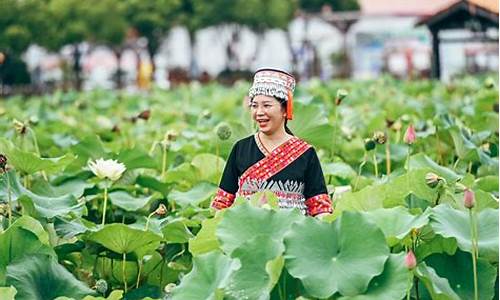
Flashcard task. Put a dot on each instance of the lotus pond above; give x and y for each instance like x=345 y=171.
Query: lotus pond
x=105 y=195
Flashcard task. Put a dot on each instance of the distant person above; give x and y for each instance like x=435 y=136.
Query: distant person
x=273 y=158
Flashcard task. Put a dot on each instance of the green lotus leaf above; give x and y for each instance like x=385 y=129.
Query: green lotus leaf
x=453 y=223
x=127 y=202
x=44 y=206
x=311 y=124
x=206 y=280
x=397 y=222
x=391 y=284
x=90 y=147
x=114 y=295
x=18 y=243
x=74 y=186
x=487 y=183
x=343 y=256
x=437 y=287
x=260 y=268
x=458 y=270
x=40 y=277
x=121 y=238
x=206 y=240
x=176 y=232
x=422 y=161
x=136 y=158
x=68 y=228
x=243 y=222
x=8 y=293
x=339 y=169
x=210 y=167
x=31 y=224
x=195 y=196
x=29 y=162
x=435 y=244
x=152 y=183
x=185 y=174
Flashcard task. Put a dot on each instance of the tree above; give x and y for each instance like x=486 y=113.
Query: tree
x=21 y=23
x=152 y=20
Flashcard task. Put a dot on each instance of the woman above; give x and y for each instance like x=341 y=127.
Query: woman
x=273 y=158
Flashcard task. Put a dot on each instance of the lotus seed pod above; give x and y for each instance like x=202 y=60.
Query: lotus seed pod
x=206 y=114
x=379 y=137
x=489 y=83
x=369 y=144
x=171 y=135
x=341 y=94
x=20 y=127
x=161 y=210
x=432 y=179
x=101 y=286
x=169 y=288
x=410 y=260
x=144 y=115
x=469 y=199
x=223 y=131
x=3 y=162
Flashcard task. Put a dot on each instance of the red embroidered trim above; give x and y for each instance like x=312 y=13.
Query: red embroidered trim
x=319 y=204
x=279 y=159
x=223 y=199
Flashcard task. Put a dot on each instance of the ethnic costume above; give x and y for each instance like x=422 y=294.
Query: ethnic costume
x=292 y=171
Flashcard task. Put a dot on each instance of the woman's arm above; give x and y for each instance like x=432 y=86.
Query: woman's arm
x=317 y=200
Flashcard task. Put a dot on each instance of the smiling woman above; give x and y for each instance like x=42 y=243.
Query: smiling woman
x=273 y=158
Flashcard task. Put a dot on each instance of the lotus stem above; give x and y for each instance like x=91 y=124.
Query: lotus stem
x=9 y=205
x=147 y=221
x=359 y=172
x=335 y=121
x=105 y=205
x=164 y=162
x=37 y=149
x=387 y=158
x=123 y=272
x=409 y=285
x=375 y=163
x=474 y=251
x=139 y=262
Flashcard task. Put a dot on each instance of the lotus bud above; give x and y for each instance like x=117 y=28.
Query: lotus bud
x=469 y=199
x=410 y=135
x=489 y=83
x=20 y=127
x=101 y=286
x=169 y=288
x=223 y=131
x=3 y=162
x=369 y=144
x=410 y=260
x=144 y=115
x=379 y=137
x=206 y=114
x=161 y=210
x=432 y=179
x=341 y=94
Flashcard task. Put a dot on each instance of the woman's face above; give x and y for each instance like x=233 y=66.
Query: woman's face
x=268 y=113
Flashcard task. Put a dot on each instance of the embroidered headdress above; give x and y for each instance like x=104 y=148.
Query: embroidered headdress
x=275 y=83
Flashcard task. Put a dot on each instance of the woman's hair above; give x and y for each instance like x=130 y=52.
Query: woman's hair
x=283 y=105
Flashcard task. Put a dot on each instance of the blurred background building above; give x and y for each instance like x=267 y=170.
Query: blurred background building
x=406 y=38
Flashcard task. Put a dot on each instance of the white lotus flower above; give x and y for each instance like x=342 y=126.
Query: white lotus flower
x=109 y=168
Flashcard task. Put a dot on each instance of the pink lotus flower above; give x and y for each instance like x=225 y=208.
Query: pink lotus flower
x=410 y=260
x=469 y=199
x=410 y=135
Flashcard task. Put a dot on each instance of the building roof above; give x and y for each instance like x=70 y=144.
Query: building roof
x=421 y=8
x=486 y=10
